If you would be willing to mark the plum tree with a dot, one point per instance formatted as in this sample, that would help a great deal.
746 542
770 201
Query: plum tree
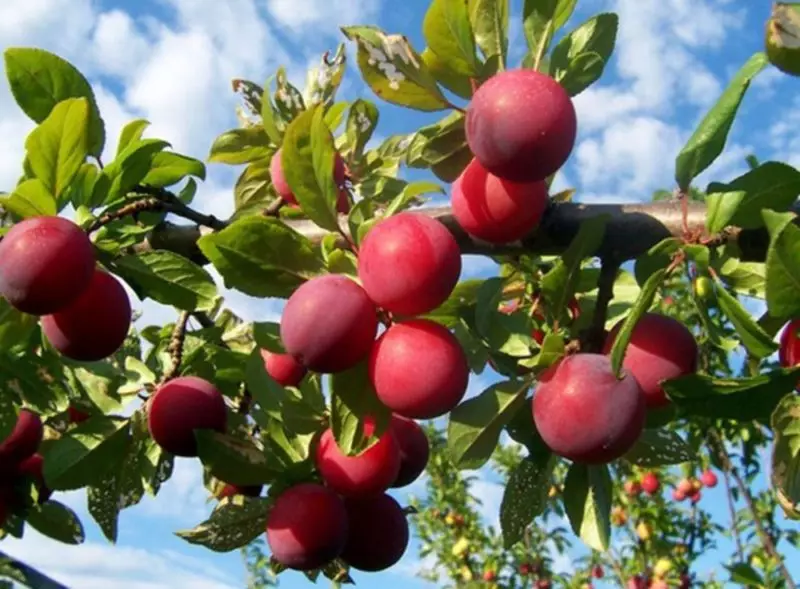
660 348
512 140
283 368
584 389
45 264
419 369
323 341
23 441
414 449
409 263
497 210
94 325
179 407
372 471
378 533
307 527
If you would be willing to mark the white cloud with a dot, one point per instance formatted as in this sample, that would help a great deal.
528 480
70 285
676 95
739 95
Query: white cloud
98 566
118 46
324 16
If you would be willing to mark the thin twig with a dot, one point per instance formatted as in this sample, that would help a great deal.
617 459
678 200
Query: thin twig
175 347
129 210
732 510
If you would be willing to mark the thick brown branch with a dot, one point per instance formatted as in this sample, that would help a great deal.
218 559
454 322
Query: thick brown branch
632 230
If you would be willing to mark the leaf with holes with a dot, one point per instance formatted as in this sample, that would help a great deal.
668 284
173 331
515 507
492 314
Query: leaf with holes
235 523
659 447
525 496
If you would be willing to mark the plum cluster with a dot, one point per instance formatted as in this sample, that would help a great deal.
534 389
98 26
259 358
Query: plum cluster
521 127
48 268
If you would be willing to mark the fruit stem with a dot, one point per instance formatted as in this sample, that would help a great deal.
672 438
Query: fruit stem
273 207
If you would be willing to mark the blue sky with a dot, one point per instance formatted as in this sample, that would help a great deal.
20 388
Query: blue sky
171 62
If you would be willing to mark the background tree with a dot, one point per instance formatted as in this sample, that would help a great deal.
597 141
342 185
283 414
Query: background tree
316 408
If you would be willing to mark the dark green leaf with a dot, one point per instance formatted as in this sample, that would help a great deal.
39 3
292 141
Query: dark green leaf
656 258
475 425
782 265
525 496
708 139
235 523
579 58
772 185
170 279
39 80
659 447
587 500
744 399
232 459
261 256
755 339
56 521
785 476
352 399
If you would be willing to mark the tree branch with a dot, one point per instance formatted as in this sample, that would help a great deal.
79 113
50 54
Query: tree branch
632 230
32 577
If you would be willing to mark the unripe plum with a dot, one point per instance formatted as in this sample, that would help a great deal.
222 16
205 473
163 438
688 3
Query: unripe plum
377 534
373 471
789 350
32 468
650 483
283 368
307 527
497 210
93 326
418 369
521 125
45 264
179 407
585 413
233 490
414 449
709 479
329 324
661 348
23 441
285 192
409 263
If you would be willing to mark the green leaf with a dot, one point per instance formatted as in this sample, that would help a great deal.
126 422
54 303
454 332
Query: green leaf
639 308
541 19
251 193
235 523
708 139
746 575
394 70
168 168
785 476
131 132
361 122
782 265
30 198
170 279
456 83
240 146
587 500
743 399
39 80
753 337
15 327
475 425
409 196
659 447
85 454
352 399
656 258
56 521
490 25
558 285
525 496
464 295
306 157
579 59
261 257
232 459
127 170
772 185
448 32
34 380
57 148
